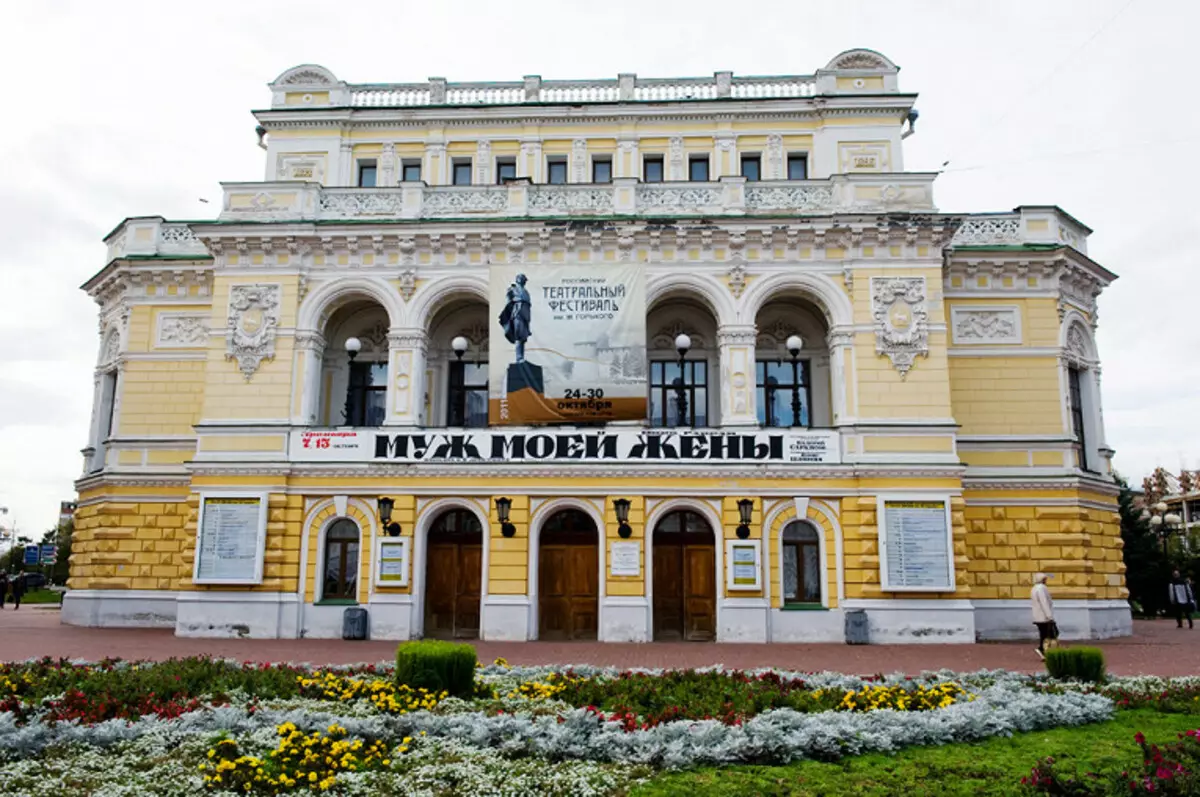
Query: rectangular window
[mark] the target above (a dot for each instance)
(468, 395)
(602, 171)
(462, 172)
(556, 172)
(506, 169)
(784, 393)
(366, 174)
(797, 167)
(698, 168)
(108, 405)
(412, 171)
(652, 169)
(666, 382)
(1077, 427)
(366, 404)
(752, 168)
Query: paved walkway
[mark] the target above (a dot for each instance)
(1157, 647)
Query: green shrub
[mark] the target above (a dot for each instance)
(1080, 664)
(437, 666)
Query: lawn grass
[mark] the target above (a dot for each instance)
(992, 767)
(37, 596)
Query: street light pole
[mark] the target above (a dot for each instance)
(682, 344)
(794, 344)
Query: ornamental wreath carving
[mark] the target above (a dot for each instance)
(253, 318)
(901, 319)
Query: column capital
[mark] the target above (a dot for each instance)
(737, 334)
(407, 338)
(309, 340)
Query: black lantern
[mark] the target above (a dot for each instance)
(745, 512)
(794, 344)
(385, 516)
(503, 506)
(621, 507)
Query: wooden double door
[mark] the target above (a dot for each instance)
(568, 577)
(685, 588)
(453, 575)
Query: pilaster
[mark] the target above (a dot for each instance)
(406, 375)
(735, 346)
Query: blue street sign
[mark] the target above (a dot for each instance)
(31, 554)
(49, 554)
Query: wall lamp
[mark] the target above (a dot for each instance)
(745, 512)
(621, 507)
(503, 507)
(385, 516)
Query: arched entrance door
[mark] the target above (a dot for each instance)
(453, 569)
(685, 589)
(568, 577)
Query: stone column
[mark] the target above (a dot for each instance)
(735, 344)
(346, 175)
(406, 376)
(309, 352)
(841, 389)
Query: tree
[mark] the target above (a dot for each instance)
(1147, 569)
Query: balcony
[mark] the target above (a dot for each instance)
(153, 236)
(728, 196)
(1033, 225)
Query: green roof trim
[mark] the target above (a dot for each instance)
(1008, 248)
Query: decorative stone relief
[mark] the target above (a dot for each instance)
(1078, 351)
(988, 325)
(775, 156)
(859, 60)
(901, 319)
(675, 157)
(182, 330)
(579, 161)
(253, 319)
(375, 339)
(111, 347)
(293, 167)
(483, 162)
(870, 156)
(665, 337)
(387, 165)
(408, 284)
(737, 279)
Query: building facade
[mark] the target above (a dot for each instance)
(824, 394)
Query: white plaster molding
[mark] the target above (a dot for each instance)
(901, 319)
(985, 324)
(253, 320)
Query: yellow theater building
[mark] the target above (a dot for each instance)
(622, 359)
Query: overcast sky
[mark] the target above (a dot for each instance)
(122, 109)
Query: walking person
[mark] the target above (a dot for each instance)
(1182, 598)
(3, 588)
(18, 589)
(1043, 614)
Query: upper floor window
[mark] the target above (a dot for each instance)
(652, 169)
(412, 171)
(752, 168)
(784, 393)
(698, 168)
(601, 170)
(797, 166)
(462, 172)
(679, 397)
(506, 170)
(1077, 426)
(556, 172)
(366, 174)
(366, 396)
(468, 396)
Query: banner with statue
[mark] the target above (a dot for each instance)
(568, 345)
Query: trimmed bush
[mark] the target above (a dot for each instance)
(1079, 664)
(436, 665)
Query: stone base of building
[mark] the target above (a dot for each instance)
(512, 618)
(1000, 620)
(110, 608)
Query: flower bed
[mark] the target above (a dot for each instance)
(204, 724)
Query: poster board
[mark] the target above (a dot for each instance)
(743, 565)
(391, 562)
(231, 537)
(625, 559)
(567, 344)
(916, 545)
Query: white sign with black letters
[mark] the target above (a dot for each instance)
(231, 535)
(917, 551)
(625, 559)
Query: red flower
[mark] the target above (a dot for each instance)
(1140, 738)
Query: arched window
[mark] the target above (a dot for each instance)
(341, 562)
(801, 564)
